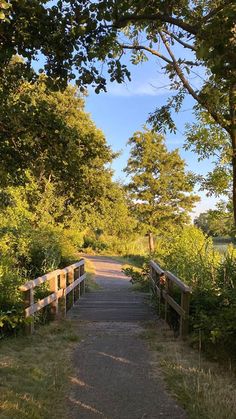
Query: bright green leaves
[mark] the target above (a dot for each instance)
(208, 139)
(159, 189)
(216, 222)
(4, 10)
(49, 133)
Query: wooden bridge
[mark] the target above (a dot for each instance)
(113, 368)
(68, 284)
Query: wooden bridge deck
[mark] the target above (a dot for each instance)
(113, 375)
(115, 300)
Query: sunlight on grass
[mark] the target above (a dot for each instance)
(203, 388)
(134, 260)
(35, 372)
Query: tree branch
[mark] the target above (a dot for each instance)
(122, 21)
(188, 87)
(190, 63)
(152, 51)
(179, 40)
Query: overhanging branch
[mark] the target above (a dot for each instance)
(188, 87)
(150, 50)
(134, 18)
(179, 40)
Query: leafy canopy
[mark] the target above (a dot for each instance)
(49, 134)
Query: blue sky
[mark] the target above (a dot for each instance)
(124, 109)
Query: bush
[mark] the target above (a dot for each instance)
(139, 277)
(39, 233)
(191, 256)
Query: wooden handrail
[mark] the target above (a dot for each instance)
(69, 279)
(162, 283)
(178, 282)
(38, 281)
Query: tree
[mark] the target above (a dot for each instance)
(49, 134)
(217, 222)
(160, 190)
(207, 140)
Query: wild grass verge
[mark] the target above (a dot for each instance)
(91, 285)
(205, 389)
(35, 372)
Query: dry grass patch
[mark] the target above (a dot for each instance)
(35, 372)
(203, 388)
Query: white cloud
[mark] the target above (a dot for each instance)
(150, 87)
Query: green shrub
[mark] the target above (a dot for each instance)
(191, 256)
(139, 277)
(39, 233)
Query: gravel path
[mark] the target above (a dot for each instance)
(113, 375)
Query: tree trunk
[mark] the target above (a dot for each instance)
(232, 97)
(151, 242)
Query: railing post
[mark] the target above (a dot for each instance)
(71, 280)
(77, 288)
(28, 301)
(53, 286)
(184, 320)
(82, 273)
(62, 301)
(167, 287)
(80, 291)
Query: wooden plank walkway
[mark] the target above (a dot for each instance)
(113, 367)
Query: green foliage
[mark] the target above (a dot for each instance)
(191, 256)
(207, 139)
(49, 134)
(139, 277)
(217, 222)
(4, 10)
(11, 321)
(159, 189)
(56, 190)
(35, 238)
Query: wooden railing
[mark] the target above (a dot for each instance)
(162, 284)
(65, 284)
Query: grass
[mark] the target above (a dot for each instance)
(203, 388)
(91, 285)
(131, 260)
(35, 372)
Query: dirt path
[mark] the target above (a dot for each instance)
(113, 376)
